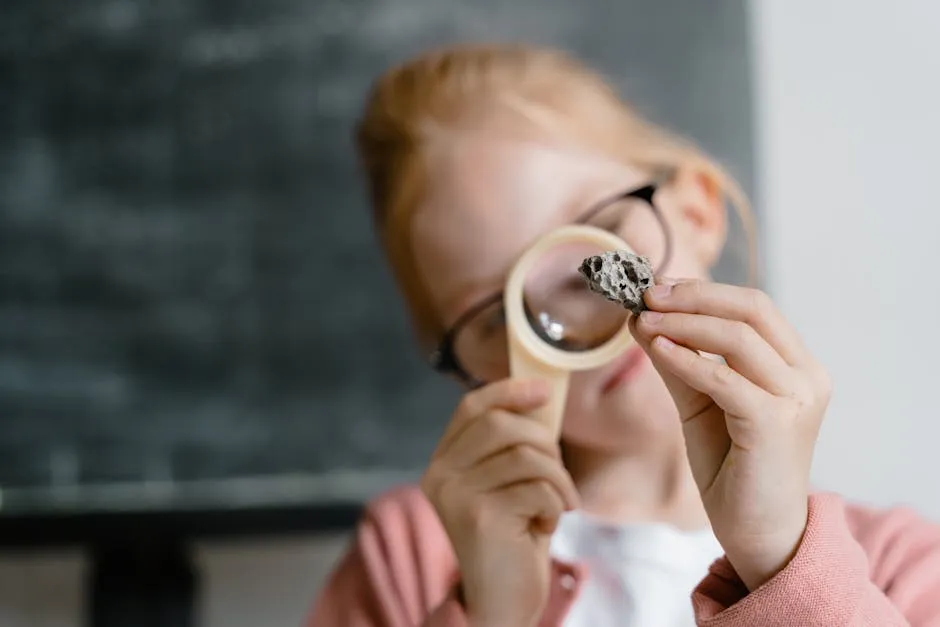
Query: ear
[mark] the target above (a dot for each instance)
(701, 216)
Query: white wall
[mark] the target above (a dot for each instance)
(849, 125)
(849, 122)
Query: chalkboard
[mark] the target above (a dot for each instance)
(178, 196)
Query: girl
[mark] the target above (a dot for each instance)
(676, 474)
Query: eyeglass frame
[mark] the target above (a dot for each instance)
(444, 358)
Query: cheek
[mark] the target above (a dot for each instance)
(683, 264)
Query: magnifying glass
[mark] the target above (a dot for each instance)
(555, 324)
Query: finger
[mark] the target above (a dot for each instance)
(494, 432)
(737, 342)
(727, 388)
(514, 395)
(518, 465)
(732, 302)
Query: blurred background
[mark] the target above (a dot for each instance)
(204, 367)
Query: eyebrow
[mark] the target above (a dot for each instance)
(469, 297)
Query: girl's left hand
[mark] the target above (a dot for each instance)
(750, 421)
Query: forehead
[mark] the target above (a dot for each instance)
(488, 199)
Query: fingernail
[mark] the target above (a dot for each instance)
(650, 317)
(665, 280)
(663, 342)
(660, 291)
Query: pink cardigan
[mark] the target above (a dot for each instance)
(855, 567)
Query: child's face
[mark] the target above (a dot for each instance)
(491, 198)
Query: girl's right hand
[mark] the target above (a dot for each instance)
(499, 487)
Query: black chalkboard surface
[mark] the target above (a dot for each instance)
(192, 307)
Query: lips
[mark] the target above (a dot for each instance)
(624, 368)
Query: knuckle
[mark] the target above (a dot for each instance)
(759, 303)
(722, 375)
(523, 455)
(464, 407)
(805, 404)
(469, 405)
(688, 361)
(742, 334)
(493, 421)
(816, 389)
(682, 323)
(790, 408)
(547, 497)
(801, 392)
(551, 500)
(691, 288)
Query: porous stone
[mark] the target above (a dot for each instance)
(620, 276)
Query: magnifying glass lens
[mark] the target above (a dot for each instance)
(560, 307)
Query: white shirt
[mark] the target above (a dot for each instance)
(639, 575)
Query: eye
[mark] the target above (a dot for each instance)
(611, 222)
(611, 217)
(492, 321)
(573, 285)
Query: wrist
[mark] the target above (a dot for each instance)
(762, 560)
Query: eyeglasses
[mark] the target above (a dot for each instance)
(476, 350)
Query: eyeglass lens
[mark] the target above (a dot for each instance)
(560, 308)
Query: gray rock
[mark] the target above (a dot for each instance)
(619, 276)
